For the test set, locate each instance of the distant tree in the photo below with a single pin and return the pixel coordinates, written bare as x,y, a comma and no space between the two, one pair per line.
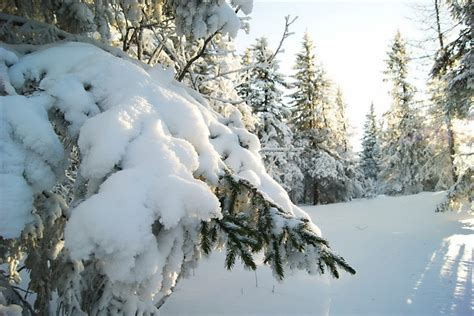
404,150
320,129
342,125
370,155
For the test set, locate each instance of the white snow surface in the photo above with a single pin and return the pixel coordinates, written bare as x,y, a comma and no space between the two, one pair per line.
30,153
409,261
149,151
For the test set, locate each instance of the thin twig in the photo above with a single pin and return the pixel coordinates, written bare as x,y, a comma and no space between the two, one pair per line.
201,53
286,34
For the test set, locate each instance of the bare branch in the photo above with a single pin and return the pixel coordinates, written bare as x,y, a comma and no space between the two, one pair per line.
201,53
231,72
286,34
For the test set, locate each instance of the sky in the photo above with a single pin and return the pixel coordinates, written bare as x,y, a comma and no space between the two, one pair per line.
351,40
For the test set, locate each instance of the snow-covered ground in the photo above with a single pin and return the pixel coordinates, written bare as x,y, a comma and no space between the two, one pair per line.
409,260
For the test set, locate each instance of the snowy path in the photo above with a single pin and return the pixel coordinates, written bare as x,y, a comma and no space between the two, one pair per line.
409,260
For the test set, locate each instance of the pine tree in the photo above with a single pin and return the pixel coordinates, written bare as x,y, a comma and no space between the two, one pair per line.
370,147
404,150
311,98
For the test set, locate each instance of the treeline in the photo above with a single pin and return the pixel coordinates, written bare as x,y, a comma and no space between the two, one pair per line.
418,145
304,134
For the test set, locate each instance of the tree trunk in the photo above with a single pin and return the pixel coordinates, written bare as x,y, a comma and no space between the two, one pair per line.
316,193
438,25
452,152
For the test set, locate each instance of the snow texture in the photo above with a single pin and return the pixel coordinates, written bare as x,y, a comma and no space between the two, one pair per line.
30,158
203,18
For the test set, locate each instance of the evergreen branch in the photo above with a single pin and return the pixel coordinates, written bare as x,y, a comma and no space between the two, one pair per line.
295,234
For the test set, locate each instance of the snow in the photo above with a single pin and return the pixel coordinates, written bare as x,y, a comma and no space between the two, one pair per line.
30,154
409,261
203,18
245,5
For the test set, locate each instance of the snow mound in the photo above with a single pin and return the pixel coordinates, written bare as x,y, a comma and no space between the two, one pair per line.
149,153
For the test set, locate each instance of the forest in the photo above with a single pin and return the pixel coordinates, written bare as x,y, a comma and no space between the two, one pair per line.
136,141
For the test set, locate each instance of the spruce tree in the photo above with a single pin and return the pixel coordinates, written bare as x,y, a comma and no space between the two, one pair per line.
370,147
342,125
311,98
266,83
243,88
404,150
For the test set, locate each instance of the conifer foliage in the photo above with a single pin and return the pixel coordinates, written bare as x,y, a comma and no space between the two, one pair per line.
404,151
321,133
263,92
370,154
452,78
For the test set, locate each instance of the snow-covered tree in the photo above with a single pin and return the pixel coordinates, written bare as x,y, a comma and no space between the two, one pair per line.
450,110
266,81
128,18
243,88
316,119
312,90
370,155
454,60
341,129
404,149
441,138
115,179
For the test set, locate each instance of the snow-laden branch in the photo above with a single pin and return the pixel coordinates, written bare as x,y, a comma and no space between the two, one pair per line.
158,180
